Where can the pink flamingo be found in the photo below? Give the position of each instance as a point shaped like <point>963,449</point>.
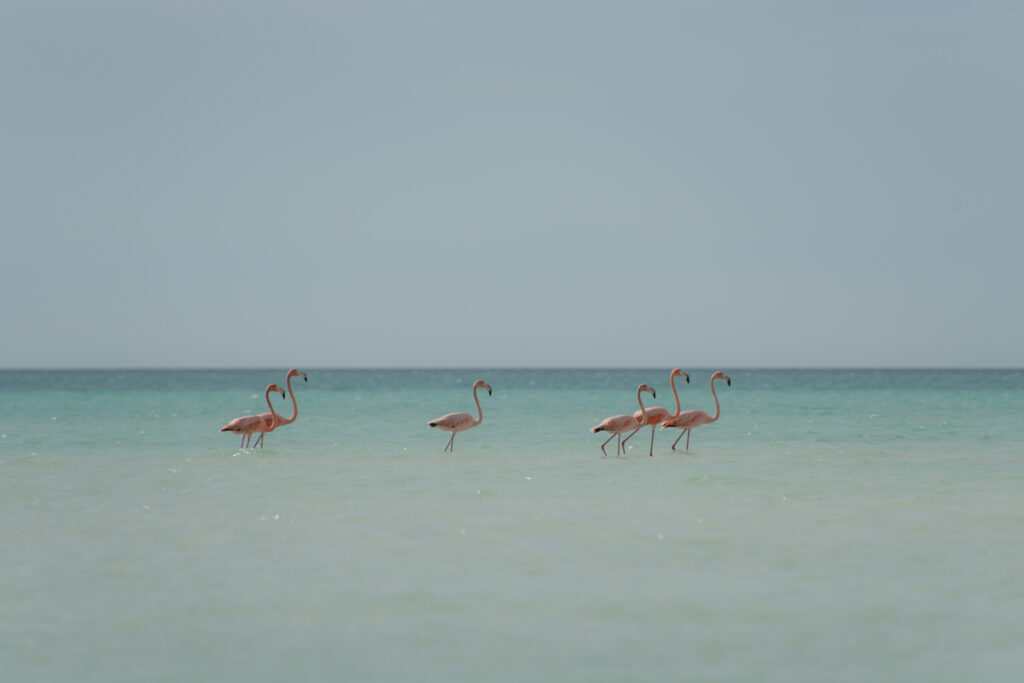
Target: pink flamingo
<point>689,419</point>
<point>250,424</point>
<point>277,419</point>
<point>657,415</point>
<point>281,419</point>
<point>617,424</point>
<point>460,422</point>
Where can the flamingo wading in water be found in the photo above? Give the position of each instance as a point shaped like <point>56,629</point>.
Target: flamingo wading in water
<point>277,419</point>
<point>689,419</point>
<point>460,422</point>
<point>656,415</point>
<point>617,424</point>
<point>250,424</point>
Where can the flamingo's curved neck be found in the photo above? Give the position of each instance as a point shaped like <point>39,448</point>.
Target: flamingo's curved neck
<point>479,410</point>
<point>672,381</point>
<point>273,413</point>
<point>643,411</point>
<point>715,396</point>
<point>295,406</point>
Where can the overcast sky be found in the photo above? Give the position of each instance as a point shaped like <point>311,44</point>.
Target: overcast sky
<point>696,184</point>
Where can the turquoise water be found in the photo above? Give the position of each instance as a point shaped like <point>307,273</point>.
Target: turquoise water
<point>832,525</point>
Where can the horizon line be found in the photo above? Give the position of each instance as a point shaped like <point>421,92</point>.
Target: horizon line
<point>240,368</point>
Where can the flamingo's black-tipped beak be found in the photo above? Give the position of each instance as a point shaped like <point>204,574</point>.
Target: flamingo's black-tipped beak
<point>489,392</point>
<point>729,381</point>
<point>654,393</point>
<point>687,379</point>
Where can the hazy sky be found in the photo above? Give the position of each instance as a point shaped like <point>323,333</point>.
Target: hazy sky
<point>696,184</point>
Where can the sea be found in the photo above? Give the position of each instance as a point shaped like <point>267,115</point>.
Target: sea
<point>832,525</point>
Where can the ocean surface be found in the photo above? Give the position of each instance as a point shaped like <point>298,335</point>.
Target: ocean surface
<point>833,525</point>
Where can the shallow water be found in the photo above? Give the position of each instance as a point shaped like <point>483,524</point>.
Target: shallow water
<point>832,525</point>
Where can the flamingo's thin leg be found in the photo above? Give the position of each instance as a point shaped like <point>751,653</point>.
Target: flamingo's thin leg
<point>631,435</point>
<point>677,438</point>
<point>606,442</point>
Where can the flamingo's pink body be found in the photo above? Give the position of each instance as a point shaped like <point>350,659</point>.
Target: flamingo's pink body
<point>618,424</point>
<point>656,415</point>
<point>281,419</point>
<point>460,422</point>
<point>690,419</point>
<point>252,424</point>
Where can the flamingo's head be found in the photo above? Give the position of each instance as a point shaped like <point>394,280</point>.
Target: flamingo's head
<point>274,387</point>
<point>480,384</point>
<point>679,373</point>
<point>646,387</point>
<point>721,375</point>
<point>297,373</point>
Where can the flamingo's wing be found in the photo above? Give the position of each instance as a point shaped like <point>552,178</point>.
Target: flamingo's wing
<point>241,424</point>
<point>452,421</point>
<point>655,415</point>
<point>687,418</point>
<point>616,423</point>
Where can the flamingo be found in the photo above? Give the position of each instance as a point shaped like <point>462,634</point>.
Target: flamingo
<point>689,419</point>
<point>281,419</point>
<point>250,424</point>
<point>460,422</point>
<point>657,415</point>
<point>277,419</point>
<point>617,424</point>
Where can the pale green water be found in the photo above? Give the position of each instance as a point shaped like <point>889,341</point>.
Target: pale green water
<point>833,525</point>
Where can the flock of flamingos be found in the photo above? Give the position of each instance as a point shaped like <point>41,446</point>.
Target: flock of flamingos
<point>617,425</point>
